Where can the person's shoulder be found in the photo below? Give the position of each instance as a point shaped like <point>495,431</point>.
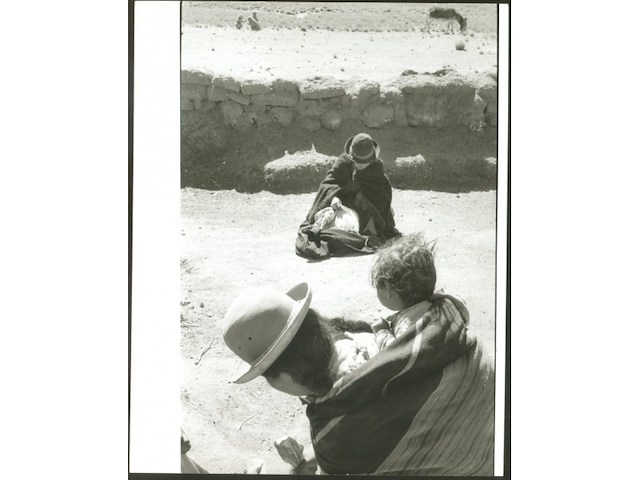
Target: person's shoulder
<point>442,298</point>
<point>445,296</point>
<point>342,161</point>
<point>377,167</point>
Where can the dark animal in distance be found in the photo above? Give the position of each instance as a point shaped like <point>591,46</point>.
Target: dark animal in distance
<point>447,14</point>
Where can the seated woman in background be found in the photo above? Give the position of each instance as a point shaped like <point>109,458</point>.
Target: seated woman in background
<point>355,191</point>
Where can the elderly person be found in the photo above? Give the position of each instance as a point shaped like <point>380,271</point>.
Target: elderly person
<point>357,182</point>
<point>422,407</point>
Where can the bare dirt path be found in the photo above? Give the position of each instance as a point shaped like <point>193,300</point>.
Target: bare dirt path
<point>235,240</point>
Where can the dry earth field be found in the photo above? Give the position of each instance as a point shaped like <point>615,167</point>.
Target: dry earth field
<point>347,41</point>
<point>233,240</point>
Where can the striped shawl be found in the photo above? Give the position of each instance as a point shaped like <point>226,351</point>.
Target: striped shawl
<point>425,406</point>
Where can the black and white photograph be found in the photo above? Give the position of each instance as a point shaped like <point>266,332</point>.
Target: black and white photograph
<point>339,239</point>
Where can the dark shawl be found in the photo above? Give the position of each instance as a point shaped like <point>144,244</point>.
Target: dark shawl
<point>368,193</point>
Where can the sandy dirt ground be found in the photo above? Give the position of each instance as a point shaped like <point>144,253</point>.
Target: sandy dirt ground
<point>294,54</point>
<point>235,240</point>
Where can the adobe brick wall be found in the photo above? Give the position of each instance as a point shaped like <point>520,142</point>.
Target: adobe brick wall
<point>435,100</point>
<point>226,122</point>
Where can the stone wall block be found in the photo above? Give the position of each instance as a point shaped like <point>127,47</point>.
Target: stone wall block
<point>282,115</point>
<point>400,115</point>
<point>289,86</point>
<point>332,120</point>
<point>195,77</point>
<point>227,83</point>
<point>392,95</point>
<point>417,84</point>
<point>366,90</point>
<point>310,123</point>
<point>193,91</point>
<point>492,107</point>
<point>308,108</point>
<point>377,116</point>
<point>356,107</point>
<point>485,81</point>
<point>257,115</point>
<point>185,103</point>
<point>231,112</point>
<point>260,119</point>
<point>276,99</point>
<point>463,105</point>
<point>345,103</point>
<point>240,98</point>
<point>206,105</point>
<point>423,110</point>
<point>361,95</point>
<point>489,92</point>
<point>217,94</point>
<point>328,104</point>
<point>478,109</point>
<point>320,87</point>
<point>243,123</point>
<point>491,119</point>
<point>443,104</point>
<point>254,87</point>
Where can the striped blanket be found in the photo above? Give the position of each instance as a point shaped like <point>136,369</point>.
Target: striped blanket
<point>425,406</point>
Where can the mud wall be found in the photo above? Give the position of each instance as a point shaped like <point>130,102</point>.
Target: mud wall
<point>437,130</point>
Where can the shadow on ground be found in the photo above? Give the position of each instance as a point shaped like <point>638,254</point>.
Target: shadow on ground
<point>215,158</point>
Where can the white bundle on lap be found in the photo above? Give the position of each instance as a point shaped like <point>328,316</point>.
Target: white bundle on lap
<point>337,216</point>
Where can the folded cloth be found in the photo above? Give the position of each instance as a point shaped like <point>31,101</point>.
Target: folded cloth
<point>425,406</point>
<point>343,218</point>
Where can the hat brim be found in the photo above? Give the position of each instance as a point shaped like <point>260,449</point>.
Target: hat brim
<point>301,293</point>
<point>376,151</point>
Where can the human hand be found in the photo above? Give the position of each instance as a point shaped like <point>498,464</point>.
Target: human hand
<point>336,203</point>
<point>305,468</point>
<point>302,459</point>
<point>309,464</point>
<point>380,324</point>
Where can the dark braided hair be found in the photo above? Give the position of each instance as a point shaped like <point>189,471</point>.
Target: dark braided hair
<point>307,358</point>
